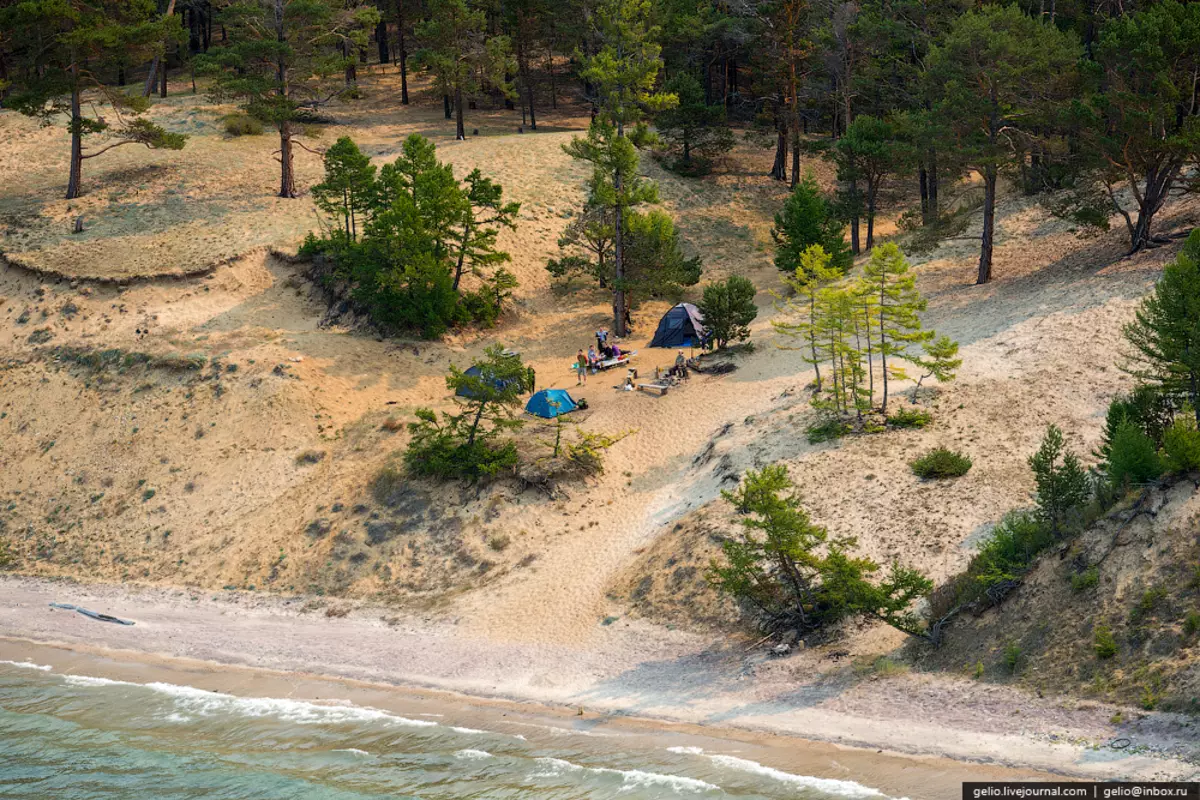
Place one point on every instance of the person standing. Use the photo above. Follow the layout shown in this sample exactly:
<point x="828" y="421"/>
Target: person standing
<point x="581" y="367"/>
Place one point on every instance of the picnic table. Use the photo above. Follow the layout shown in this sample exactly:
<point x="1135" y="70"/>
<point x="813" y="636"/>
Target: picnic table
<point x="609" y="363"/>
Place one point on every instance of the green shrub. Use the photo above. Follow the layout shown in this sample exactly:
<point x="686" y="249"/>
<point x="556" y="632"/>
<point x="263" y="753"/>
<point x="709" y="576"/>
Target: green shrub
<point x="827" y="431"/>
<point x="1005" y="555"/>
<point x="941" y="463"/>
<point x="1012" y="657"/>
<point x="910" y="418"/>
<point x="1181" y="444"/>
<point x="441" y="451"/>
<point x="1103" y="642"/>
<point x="1063" y="486"/>
<point x="7" y="559"/>
<point x="1088" y="579"/>
<point x="242" y="125"/>
<point x="1150" y="602"/>
<point x="1191" y="623"/>
<point x="1133" y="458"/>
<point x="1146" y="408"/>
<point x="1011" y="548"/>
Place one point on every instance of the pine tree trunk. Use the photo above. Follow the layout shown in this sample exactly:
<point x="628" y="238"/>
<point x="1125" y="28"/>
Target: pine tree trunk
<point x="403" y="47"/>
<point x="446" y="106"/>
<point x="381" y="39"/>
<point x="619" y="267"/>
<point x="795" y="158"/>
<point x="162" y="86"/>
<point x="872" y="191"/>
<point x="855" y="247"/>
<point x="460" y="131"/>
<point x="523" y="68"/>
<point x="553" y="79"/>
<point x="989" y="224"/>
<point x="934" y="209"/>
<point x="75" y="180"/>
<point x="923" y="180"/>
<point x="287" y="178"/>
<point x="351" y="67"/>
<point x="779" y="168"/>
<point x="148" y="89"/>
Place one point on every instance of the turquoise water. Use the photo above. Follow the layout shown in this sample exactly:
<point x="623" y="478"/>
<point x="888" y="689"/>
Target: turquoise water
<point x="72" y="737"/>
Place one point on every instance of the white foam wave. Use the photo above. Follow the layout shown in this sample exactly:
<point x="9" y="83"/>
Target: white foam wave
<point x="202" y="703"/>
<point x="827" y="785"/>
<point x="89" y="680"/>
<point x="687" y="751"/>
<point x="354" y="750"/>
<point x="458" y="729"/>
<point x="472" y="755"/>
<point x="27" y="665"/>
<point x="555" y="767"/>
<point x="303" y="712"/>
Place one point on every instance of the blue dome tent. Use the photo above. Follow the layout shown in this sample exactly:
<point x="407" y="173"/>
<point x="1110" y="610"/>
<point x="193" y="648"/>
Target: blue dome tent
<point x="549" y="403"/>
<point x="682" y="326"/>
<point x="465" y="391"/>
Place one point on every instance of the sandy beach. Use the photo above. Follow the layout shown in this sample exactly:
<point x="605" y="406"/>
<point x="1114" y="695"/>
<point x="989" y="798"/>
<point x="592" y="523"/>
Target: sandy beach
<point x="633" y="672"/>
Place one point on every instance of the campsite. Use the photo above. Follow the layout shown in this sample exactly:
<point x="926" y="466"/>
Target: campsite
<point x="672" y="398"/>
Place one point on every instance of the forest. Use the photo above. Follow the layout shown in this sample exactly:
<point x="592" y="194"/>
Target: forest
<point x="1092" y="106"/>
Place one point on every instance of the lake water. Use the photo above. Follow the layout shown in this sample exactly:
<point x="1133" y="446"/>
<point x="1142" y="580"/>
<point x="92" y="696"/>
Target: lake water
<point x="76" y="737"/>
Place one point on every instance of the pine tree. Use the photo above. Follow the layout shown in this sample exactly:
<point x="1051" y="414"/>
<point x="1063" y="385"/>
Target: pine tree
<point x="485" y="213"/>
<point x="460" y="54"/>
<point x="806" y="219"/>
<point x="940" y="361"/>
<point x="624" y="70"/>
<point x="996" y="77"/>
<point x="1146" y="124"/>
<point x="277" y="59"/>
<point x="897" y="309"/>
<point x="55" y="52"/>
<point x="728" y="309"/>
<point x="813" y="273"/>
<point x="347" y="191"/>
<point x="615" y="187"/>
<point x="693" y="129"/>
<point x="1165" y="333"/>
<point x="868" y="152"/>
<point x="1062" y="484"/>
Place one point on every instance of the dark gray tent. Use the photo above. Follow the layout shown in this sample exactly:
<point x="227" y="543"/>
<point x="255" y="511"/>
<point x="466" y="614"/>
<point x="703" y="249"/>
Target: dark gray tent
<point x="682" y="326"/>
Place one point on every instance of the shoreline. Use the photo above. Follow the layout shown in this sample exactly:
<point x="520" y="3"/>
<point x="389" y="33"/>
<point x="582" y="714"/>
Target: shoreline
<point x="674" y="683"/>
<point x="896" y="774"/>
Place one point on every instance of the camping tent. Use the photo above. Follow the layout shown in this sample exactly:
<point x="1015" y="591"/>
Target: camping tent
<point x="682" y="326"/>
<point x="550" y="403"/>
<point x="465" y="391"/>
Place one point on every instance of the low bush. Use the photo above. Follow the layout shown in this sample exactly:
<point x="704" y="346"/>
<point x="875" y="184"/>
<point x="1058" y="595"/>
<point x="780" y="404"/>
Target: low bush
<point x="309" y="457"/>
<point x="1181" y="445"/>
<point x="1191" y="623"/>
<point x="7" y="559"/>
<point x="242" y="125"/>
<point x="1088" y="579"/>
<point x="910" y="418"/>
<point x="1151" y="601"/>
<point x="941" y="463"/>
<point x="827" y="431"/>
<point x="1002" y="559"/>
<point x="1103" y="642"/>
<point x="1012" y="657"/>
